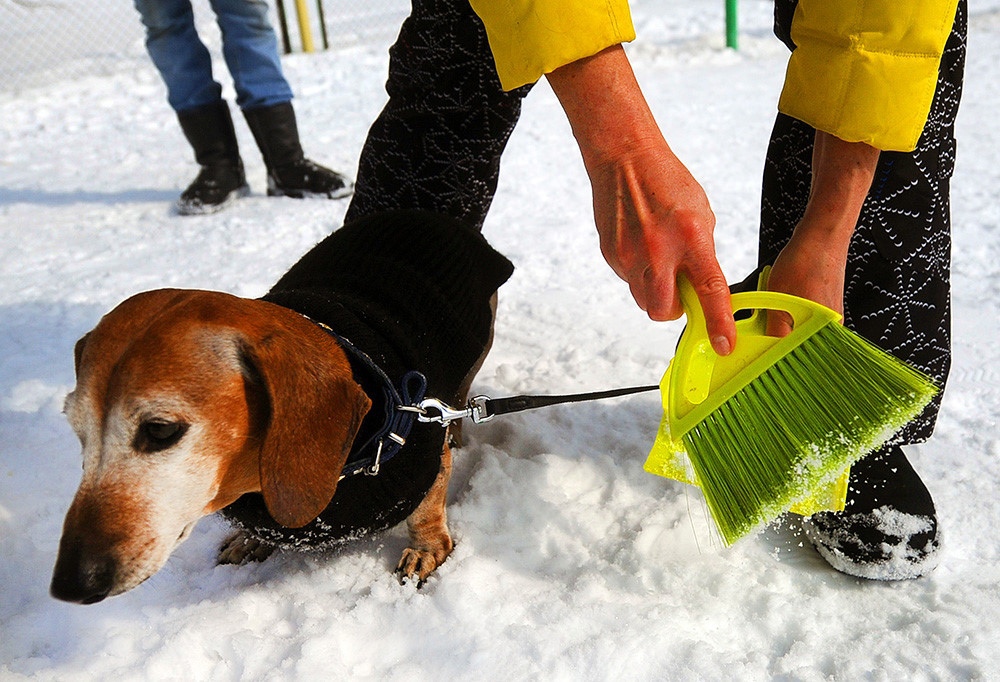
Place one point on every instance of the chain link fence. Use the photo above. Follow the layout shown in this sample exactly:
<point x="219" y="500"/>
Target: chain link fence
<point x="42" y="41"/>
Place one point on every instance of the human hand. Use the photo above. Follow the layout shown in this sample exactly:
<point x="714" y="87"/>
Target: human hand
<point x="655" y="224"/>
<point x="654" y="220"/>
<point x="808" y="270"/>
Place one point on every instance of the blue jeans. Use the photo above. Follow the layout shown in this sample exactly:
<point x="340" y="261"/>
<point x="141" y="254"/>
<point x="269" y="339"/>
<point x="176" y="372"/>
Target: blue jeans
<point x="249" y="47"/>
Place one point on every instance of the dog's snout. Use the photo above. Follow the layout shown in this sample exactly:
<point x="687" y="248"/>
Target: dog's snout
<point x="81" y="576"/>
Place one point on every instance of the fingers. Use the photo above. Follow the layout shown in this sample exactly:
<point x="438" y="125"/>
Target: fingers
<point x="655" y="291"/>
<point x="654" y="222"/>
<point x="779" y="323"/>
<point x="713" y="294"/>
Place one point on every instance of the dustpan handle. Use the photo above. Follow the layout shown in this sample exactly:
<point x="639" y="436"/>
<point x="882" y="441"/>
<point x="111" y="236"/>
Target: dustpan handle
<point x="692" y="305"/>
<point x="800" y="309"/>
<point x="695" y="356"/>
<point x="691" y="374"/>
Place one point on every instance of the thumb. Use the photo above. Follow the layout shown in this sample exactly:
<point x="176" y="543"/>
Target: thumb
<point x="779" y="323"/>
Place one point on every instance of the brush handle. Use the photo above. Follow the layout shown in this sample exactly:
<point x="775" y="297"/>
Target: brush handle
<point x="692" y="305"/>
<point x="801" y="310"/>
<point x="699" y="380"/>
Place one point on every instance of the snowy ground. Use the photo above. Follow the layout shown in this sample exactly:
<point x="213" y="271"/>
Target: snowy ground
<point x="571" y="563"/>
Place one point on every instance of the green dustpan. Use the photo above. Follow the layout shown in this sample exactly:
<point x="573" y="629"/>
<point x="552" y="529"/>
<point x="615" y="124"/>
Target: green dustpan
<point x="698" y="381"/>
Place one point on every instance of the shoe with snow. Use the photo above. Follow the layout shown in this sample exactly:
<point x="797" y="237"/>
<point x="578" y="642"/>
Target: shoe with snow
<point x="221" y="180"/>
<point x="289" y="172"/>
<point x="305" y="178"/>
<point x="889" y="528"/>
<point x="216" y="187"/>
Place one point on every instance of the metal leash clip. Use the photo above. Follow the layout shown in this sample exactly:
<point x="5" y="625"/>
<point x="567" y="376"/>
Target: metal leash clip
<point x="432" y="410"/>
<point x="483" y="408"/>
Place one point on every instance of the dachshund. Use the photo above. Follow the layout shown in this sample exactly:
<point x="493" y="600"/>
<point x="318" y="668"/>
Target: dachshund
<point x="282" y="413"/>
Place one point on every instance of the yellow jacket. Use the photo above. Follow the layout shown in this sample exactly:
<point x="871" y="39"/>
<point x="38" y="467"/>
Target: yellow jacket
<point x="863" y="70"/>
<point x="530" y="38"/>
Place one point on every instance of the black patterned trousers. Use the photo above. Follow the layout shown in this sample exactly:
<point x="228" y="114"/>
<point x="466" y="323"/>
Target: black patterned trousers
<point x="437" y="143"/>
<point x="897" y="285"/>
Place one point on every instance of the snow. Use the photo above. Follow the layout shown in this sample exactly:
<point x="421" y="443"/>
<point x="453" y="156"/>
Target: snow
<point x="571" y="562"/>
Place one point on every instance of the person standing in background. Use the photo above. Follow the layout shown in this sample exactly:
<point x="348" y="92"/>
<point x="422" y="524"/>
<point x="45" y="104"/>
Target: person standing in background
<point x="250" y="50"/>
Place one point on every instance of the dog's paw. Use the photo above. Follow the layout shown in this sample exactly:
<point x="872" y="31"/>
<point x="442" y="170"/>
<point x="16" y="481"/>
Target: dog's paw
<point x="420" y="563"/>
<point x="241" y="549"/>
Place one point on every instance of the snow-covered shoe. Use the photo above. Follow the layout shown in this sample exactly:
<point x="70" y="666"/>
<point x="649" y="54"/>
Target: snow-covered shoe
<point x="215" y="188"/>
<point x="289" y="172"/>
<point x="306" y="178"/>
<point x="889" y="528"/>
<point x="221" y="180"/>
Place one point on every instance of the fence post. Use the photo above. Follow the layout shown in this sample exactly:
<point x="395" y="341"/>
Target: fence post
<point x="322" y="24"/>
<point x="286" y="43"/>
<point x="305" y="31"/>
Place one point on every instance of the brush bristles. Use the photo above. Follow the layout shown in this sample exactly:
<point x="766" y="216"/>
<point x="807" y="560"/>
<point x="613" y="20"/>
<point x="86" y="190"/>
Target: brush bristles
<point x="799" y="425"/>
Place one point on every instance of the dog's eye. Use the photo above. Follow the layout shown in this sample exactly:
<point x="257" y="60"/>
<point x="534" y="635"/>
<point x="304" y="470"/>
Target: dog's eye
<point x="157" y="435"/>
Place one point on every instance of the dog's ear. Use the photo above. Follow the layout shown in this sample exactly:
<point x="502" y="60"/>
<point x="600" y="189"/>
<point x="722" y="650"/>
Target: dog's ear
<point x="312" y="409"/>
<point x="78" y="352"/>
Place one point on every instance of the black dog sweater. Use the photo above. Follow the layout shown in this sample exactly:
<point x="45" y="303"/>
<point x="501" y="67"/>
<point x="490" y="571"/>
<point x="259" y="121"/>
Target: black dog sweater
<point x="410" y="289"/>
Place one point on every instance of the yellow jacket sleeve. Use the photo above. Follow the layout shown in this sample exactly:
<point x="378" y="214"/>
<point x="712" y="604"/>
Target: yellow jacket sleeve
<point x="530" y="38"/>
<point x="865" y="70"/>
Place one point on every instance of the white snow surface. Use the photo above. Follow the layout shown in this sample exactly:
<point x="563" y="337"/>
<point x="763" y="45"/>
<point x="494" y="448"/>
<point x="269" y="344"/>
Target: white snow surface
<point x="571" y="562"/>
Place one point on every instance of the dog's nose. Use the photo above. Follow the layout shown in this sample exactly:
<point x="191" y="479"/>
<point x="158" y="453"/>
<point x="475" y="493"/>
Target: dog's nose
<point x="80" y="577"/>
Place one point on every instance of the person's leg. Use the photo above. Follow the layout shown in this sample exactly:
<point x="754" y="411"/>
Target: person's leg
<point x="897" y="296"/>
<point x="221" y="180"/>
<point x="186" y="68"/>
<point x="250" y="48"/>
<point x="179" y="55"/>
<point x="897" y="283"/>
<point x="438" y="141"/>
<point x="289" y="172"/>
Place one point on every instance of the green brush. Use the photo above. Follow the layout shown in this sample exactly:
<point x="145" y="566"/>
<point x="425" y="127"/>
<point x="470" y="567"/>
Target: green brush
<point x="771" y="424"/>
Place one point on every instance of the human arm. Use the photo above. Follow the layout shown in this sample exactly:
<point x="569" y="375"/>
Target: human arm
<point x="813" y="263"/>
<point x="862" y="71"/>
<point x="654" y="219"/>
<point x="530" y="38"/>
<point x="866" y="70"/>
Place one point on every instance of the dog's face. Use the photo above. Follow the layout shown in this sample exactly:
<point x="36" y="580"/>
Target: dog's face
<point x="184" y="402"/>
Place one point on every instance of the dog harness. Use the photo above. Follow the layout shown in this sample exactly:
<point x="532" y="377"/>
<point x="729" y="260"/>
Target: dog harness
<point x="387" y="425"/>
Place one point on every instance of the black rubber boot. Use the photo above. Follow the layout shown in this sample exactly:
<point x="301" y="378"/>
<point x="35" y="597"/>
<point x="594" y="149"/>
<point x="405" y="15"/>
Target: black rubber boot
<point x="889" y="528"/>
<point x="221" y="180"/>
<point x="289" y="173"/>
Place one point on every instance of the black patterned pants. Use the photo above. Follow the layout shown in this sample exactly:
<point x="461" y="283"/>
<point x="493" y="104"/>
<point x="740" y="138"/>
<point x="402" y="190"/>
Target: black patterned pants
<point x="437" y="143"/>
<point x="897" y="285"/>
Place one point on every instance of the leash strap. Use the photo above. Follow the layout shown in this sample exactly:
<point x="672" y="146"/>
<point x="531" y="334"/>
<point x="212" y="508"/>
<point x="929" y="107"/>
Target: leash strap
<point x="483" y="408"/>
<point x="393" y="416"/>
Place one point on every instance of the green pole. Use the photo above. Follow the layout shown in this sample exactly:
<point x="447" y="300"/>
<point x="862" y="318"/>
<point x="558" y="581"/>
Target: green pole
<point x="731" y="30"/>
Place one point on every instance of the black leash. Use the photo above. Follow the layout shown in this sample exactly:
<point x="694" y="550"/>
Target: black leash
<point x="394" y="408"/>
<point x="483" y="408"/>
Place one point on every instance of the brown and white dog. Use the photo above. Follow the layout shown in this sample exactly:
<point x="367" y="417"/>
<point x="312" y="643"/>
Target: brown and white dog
<point x="192" y="402"/>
